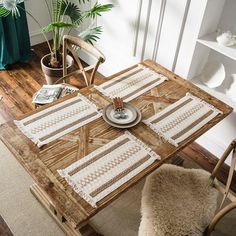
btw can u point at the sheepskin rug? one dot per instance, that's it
(177, 202)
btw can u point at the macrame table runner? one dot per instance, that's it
(131, 84)
(181, 119)
(58, 120)
(101, 172)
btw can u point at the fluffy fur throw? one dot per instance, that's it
(177, 202)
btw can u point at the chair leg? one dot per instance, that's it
(218, 217)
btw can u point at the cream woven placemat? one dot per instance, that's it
(58, 120)
(181, 119)
(101, 172)
(131, 84)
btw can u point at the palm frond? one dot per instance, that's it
(54, 6)
(82, 1)
(97, 9)
(50, 27)
(91, 34)
(72, 11)
(4, 12)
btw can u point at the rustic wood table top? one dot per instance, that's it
(43, 163)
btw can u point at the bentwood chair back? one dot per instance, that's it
(72, 44)
(179, 201)
(225, 191)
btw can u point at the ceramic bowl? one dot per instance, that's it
(213, 74)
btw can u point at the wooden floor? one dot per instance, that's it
(18, 85)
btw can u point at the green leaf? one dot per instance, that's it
(80, 1)
(50, 27)
(4, 12)
(72, 11)
(47, 28)
(62, 24)
(7, 7)
(91, 34)
(97, 9)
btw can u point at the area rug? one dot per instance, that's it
(23, 214)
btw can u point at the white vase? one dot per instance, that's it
(213, 74)
(226, 39)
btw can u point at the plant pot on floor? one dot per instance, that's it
(53, 74)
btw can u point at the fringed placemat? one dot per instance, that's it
(131, 84)
(181, 119)
(58, 120)
(101, 172)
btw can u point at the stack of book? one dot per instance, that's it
(50, 93)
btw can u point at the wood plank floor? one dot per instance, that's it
(18, 85)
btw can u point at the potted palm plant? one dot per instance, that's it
(65, 15)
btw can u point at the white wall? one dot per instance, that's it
(117, 38)
(38, 9)
(142, 29)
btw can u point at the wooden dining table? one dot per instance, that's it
(71, 211)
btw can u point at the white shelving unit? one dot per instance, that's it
(209, 40)
(218, 14)
(210, 43)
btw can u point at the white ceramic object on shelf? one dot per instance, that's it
(231, 90)
(213, 74)
(226, 39)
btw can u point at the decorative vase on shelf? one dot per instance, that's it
(213, 74)
(226, 38)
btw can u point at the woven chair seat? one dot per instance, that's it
(177, 202)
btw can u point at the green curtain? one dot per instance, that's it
(14, 40)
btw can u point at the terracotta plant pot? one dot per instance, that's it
(53, 74)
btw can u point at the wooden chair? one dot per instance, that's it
(72, 44)
(178, 201)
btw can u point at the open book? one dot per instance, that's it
(49, 93)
